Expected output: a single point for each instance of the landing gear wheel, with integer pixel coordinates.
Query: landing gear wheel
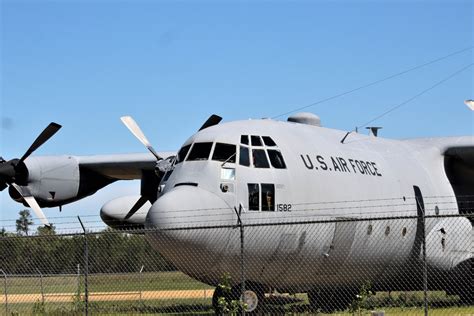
(252, 298)
(215, 299)
(463, 279)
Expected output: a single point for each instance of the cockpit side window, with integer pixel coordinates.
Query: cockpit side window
(276, 159)
(268, 141)
(182, 153)
(260, 158)
(244, 139)
(244, 159)
(224, 152)
(256, 140)
(200, 151)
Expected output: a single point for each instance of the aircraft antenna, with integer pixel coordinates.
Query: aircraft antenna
(375, 82)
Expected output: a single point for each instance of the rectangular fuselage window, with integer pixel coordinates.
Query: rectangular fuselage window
(268, 197)
(254, 194)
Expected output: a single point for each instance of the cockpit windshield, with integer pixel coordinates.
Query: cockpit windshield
(200, 151)
(182, 153)
(224, 152)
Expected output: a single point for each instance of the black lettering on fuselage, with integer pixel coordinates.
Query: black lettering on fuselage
(310, 166)
(343, 164)
(335, 165)
(351, 161)
(322, 164)
(366, 171)
(376, 171)
(369, 167)
(359, 166)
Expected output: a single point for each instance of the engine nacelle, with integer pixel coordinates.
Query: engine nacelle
(58, 180)
(113, 213)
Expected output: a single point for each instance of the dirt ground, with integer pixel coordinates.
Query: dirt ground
(111, 296)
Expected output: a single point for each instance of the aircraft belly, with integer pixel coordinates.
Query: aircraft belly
(194, 254)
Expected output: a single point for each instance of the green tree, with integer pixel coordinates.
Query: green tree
(46, 230)
(23, 222)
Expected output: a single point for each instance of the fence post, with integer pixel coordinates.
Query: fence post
(78, 280)
(5, 289)
(425, 270)
(421, 213)
(41, 284)
(86, 267)
(242, 254)
(141, 283)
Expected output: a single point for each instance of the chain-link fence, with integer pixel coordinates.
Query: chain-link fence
(291, 264)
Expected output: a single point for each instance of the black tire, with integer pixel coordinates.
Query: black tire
(215, 298)
(463, 279)
(257, 289)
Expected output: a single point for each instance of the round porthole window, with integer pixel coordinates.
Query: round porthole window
(404, 231)
(387, 230)
(369, 230)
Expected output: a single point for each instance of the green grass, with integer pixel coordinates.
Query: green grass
(397, 304)
(203, 307)
(150, 281)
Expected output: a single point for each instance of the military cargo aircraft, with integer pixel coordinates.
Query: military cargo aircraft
(268, 171)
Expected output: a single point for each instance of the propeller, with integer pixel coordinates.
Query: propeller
(130, 123)
(211, 121)
(135, 129)
(15, 173)
(32, 203)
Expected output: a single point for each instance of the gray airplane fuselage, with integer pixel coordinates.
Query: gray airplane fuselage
(283, 173)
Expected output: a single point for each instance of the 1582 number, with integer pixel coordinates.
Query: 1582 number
(284, 207)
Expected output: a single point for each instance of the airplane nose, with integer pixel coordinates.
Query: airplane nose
(189, 206)
(189, 226)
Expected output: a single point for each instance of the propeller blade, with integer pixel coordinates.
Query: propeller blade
(46, 134)
(211, 121)
(135, 129)
(141, 201)
(31, 201)
(470, 104)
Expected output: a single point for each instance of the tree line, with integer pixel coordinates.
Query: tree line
(108, 252)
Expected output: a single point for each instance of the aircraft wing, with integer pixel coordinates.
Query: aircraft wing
(463, 153)
(121, 166)
(459, 159)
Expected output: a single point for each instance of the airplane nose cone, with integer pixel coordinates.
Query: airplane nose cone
(190, 206)
(189, 226)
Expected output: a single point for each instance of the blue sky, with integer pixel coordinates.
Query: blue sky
(170, 65)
